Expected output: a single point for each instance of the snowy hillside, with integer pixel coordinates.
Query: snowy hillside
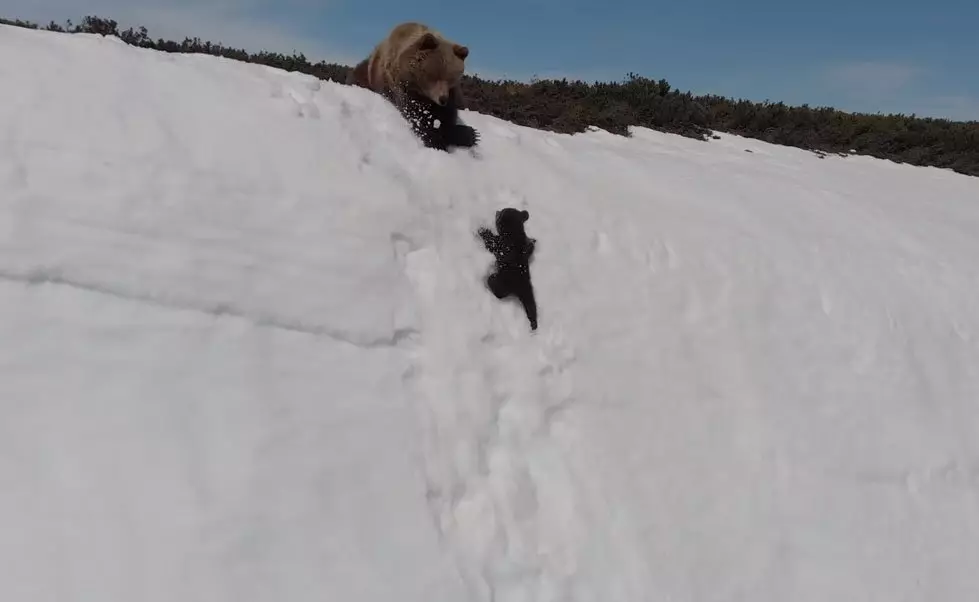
(246, 354)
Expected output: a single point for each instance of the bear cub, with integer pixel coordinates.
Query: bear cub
(513, 251)
(420, 71)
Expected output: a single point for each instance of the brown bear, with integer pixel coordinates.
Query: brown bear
(420, 71)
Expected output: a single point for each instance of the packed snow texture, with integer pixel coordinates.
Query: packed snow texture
(247, 354)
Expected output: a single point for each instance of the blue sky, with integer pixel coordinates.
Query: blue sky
(869, 55)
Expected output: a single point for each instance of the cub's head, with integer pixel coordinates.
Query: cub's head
(510, 221)
(434, 66)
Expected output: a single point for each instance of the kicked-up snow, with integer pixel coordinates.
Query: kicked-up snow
(246, 354)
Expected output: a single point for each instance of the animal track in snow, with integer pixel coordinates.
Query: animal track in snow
(487, 402)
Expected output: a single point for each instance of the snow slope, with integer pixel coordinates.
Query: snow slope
(246, 354)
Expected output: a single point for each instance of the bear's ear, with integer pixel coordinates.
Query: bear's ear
(428, 42)
(524, 215)
(460, 51)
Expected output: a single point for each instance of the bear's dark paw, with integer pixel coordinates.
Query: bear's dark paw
(464, 136)
(435, 142)
(429, 137)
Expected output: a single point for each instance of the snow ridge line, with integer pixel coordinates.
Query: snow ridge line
(41, 276)
(501, 493)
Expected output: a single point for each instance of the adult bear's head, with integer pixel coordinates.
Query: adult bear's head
(434, 66)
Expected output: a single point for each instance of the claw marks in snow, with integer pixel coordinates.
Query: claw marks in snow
(302, 102)
(502, 494)
(661, 255)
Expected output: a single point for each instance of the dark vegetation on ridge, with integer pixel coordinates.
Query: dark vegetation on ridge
(570, 107)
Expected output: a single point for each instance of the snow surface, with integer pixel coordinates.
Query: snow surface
(247, 354)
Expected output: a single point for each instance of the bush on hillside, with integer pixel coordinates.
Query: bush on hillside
(572, 106)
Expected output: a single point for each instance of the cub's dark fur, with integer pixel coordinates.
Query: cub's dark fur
(513, 251)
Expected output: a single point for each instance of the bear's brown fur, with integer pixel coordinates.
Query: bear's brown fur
(420, 71)
(413, 59)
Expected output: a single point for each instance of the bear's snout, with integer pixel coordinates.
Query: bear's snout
(443, 99)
